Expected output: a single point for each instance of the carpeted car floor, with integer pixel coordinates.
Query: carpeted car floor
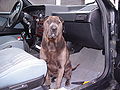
(91, 66)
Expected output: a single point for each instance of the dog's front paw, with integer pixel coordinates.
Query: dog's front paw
(53, 79)
(57, 87)
(48, 86)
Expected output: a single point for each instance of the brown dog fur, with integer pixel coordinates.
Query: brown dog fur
(54, 51)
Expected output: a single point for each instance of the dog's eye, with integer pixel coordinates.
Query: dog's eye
(58, 22)
(48, 21)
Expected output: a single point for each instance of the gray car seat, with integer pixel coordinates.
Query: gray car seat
(10, 41)
(17, 66)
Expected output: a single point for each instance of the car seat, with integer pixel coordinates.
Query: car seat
(10, 41)
(17, 67)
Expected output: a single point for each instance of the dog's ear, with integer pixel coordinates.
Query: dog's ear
(45, 18)
(61, 19)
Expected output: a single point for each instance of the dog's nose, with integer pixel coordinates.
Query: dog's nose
(53, 28)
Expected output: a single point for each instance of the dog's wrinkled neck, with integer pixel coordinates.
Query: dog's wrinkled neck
(53, 45)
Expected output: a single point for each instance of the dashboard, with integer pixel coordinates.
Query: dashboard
(35, 11)
(35, 14)
(82, 25)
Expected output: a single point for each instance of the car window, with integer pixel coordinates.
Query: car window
(61, 2)
(6, 5)
(72, 2)
(42, 1)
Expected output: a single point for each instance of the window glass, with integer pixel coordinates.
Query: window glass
(89, 1)
(42, 1)
(61, 2)
(6, 5)
(72, 2)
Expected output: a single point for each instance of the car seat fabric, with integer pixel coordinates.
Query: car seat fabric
(10, 41)
(4, 39)
(17, 66)
(10, 44)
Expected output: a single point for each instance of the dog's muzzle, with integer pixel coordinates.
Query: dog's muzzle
(52, 36)
(53, 32)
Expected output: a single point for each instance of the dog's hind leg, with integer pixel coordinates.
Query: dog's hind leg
(67, 75)
(67, 83)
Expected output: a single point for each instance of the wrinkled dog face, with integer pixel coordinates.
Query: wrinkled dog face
(53, 27)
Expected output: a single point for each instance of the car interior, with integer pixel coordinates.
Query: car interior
(20, 38)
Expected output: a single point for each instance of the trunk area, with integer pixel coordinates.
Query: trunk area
(91, 66)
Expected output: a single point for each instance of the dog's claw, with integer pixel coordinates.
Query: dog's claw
(48, 86)
(67, 83)
(53, 79)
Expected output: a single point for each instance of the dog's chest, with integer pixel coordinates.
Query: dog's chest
(53, 62)
(51, 47)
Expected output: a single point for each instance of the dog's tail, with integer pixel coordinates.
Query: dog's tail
(75, 67)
